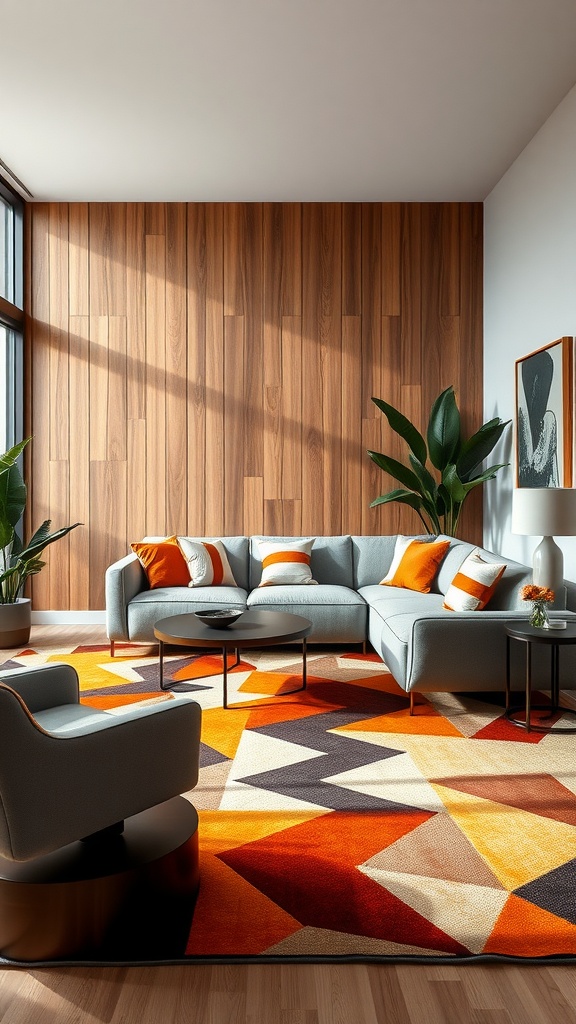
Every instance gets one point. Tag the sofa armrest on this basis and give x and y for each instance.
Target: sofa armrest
(468, 652)
(124, 579)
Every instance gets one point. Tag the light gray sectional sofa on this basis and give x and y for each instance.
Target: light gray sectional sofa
(426, 647)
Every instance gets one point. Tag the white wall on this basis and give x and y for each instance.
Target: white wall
(530, 295)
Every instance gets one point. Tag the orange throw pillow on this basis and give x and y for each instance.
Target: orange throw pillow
(163, 563)
(415, 564)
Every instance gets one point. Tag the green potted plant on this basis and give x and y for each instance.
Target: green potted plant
(18, 562)
(438, 498)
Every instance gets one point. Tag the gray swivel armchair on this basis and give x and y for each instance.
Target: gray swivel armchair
(85, 796)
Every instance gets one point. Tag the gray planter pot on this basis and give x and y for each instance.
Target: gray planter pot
(15, 621)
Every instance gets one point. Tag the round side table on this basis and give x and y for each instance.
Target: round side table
(554, 639)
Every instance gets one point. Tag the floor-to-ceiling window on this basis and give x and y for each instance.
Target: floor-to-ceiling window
(11, 318)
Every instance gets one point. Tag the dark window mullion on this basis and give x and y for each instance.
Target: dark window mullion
(12, 316)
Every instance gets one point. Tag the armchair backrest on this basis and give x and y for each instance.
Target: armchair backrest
(57, 683)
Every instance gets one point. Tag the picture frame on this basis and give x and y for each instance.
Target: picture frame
(544, 416)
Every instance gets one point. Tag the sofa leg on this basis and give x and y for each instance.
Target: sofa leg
(411, 702)
(364, 650)
(111, 648)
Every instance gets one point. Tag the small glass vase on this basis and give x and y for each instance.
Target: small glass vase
(539, 615)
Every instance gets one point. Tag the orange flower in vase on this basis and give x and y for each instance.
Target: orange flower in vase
(540, 597)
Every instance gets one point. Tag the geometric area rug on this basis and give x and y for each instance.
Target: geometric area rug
(334, 825)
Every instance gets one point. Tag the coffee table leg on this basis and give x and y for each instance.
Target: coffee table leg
(555, 695)
(237, 662)
(507, 673)
(161, 655)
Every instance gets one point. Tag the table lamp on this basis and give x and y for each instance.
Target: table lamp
(546, 512)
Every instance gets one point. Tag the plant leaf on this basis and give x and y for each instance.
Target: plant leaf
(488, 474)
(453, 485)
(427, 481)
(12, 498)
(478, 447)
(9, 457)
(404, 498)
(397, 470)
(42, 538)
(401, 425)
(428, 489)
(12, 492)
(444, 430)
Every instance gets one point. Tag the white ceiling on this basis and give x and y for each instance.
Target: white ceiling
(375, 100)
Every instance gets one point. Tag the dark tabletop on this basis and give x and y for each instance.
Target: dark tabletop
(254, 627)
(524, 631)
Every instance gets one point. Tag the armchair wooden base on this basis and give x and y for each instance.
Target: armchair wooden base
(128, 896)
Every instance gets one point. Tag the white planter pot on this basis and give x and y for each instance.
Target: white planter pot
(15, 620)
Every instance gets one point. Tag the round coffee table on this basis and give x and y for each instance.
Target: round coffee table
(252, 629)
(553, 638)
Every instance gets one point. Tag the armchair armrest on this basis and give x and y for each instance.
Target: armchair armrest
(45, 687)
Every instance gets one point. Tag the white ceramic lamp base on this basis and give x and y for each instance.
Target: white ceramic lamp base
(548, 565)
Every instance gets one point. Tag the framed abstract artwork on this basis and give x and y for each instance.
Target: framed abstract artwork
(544, 421)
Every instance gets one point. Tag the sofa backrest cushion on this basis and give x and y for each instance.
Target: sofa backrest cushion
(372, 558)
(331, 560)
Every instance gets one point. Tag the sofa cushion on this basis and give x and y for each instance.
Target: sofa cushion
(338, 614)
(330, 562)
(149, 606)
(390, 599)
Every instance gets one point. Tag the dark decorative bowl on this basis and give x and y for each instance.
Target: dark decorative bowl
(218, 618)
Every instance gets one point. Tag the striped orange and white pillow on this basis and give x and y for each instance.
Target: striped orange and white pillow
(207, 563)
(473, 584)
(285, 563)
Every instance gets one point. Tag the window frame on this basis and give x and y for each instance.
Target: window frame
(12, 318)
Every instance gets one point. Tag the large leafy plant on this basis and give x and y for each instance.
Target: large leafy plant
(18, 562)
(438, 498)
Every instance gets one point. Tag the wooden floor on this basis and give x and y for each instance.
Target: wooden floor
(287, 994)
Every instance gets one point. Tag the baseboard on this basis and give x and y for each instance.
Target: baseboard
(68, 618)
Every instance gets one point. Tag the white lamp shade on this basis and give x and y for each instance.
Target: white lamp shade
(544, 511)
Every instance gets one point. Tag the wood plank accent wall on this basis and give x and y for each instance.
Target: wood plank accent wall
(207, 369)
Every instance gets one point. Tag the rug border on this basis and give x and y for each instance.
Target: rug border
(348, 958)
